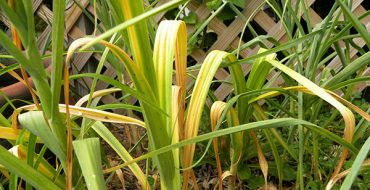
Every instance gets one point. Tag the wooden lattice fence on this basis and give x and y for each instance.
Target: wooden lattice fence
(228, 36)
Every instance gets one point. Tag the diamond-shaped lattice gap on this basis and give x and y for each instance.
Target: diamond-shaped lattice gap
(247, 35)
(3, 26)
(206, 40)
(366, 5)
(322, 7)
(49, 4)
(40, 25)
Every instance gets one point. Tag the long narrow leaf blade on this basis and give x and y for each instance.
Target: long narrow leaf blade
(88, 154)
(361, 156)
(104, 133)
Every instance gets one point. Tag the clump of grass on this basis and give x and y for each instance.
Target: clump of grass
(293, 128)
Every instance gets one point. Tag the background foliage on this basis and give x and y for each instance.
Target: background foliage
(122, 90)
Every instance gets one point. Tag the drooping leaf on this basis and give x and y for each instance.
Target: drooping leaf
(35, 122)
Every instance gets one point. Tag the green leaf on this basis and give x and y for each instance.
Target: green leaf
(34, 121)
(214, 4)
(260, 69)
(18, 22)
(88, 154)
(57, 56)
(352, 68)
(244, 172)
(239, 3)
(289, 173)
(356, 22)
(191, 18)
(26, 172)
(9, 68)
(226, 14)
(256, 181)
(361, 156)
(4, 121)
